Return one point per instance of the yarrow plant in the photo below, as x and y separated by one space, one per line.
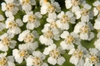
49 33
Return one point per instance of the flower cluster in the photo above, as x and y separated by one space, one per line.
42 33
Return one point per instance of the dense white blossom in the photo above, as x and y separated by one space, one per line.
20 54
69 40
27 4
45 32
6 42
36 59
6 60
84 30
10 8
93 58
54 55
65 19
32 20
78 55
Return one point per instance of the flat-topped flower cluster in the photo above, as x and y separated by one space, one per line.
31 29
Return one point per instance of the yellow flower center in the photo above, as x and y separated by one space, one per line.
84 29
84 12
45 0
37 61
98 7
51 9
75 2
65 19
29 38
54 53
69 39
3 61
94 59
32 18
24 2
10 6
78 54
6 41
49 34
23 53
53 25
12 25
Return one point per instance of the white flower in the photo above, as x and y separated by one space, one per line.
78 55
1 17
27 4
13 26
97 24
6 42
2 25
51 17
84 13
9 7
49 35
6 61
29 39
97 44
36 59
65 19
84 30
32 20
93 58
96 8
47 7
73 4
55 55
69 40
27 36
20 54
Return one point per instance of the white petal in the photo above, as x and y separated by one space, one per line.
2 26
44 9
25 18
75 8
64 34
27 7
44 64
68 4
9 1
30 26
10 58
52 61
51 17
70 14
95 11
1 18
37 23
38 15
11 63
85 18
87 63
78 14
74 60
29 61
84 36
60 60
13 44
3 6
63 45
19 22
71 51
8 14
64 26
